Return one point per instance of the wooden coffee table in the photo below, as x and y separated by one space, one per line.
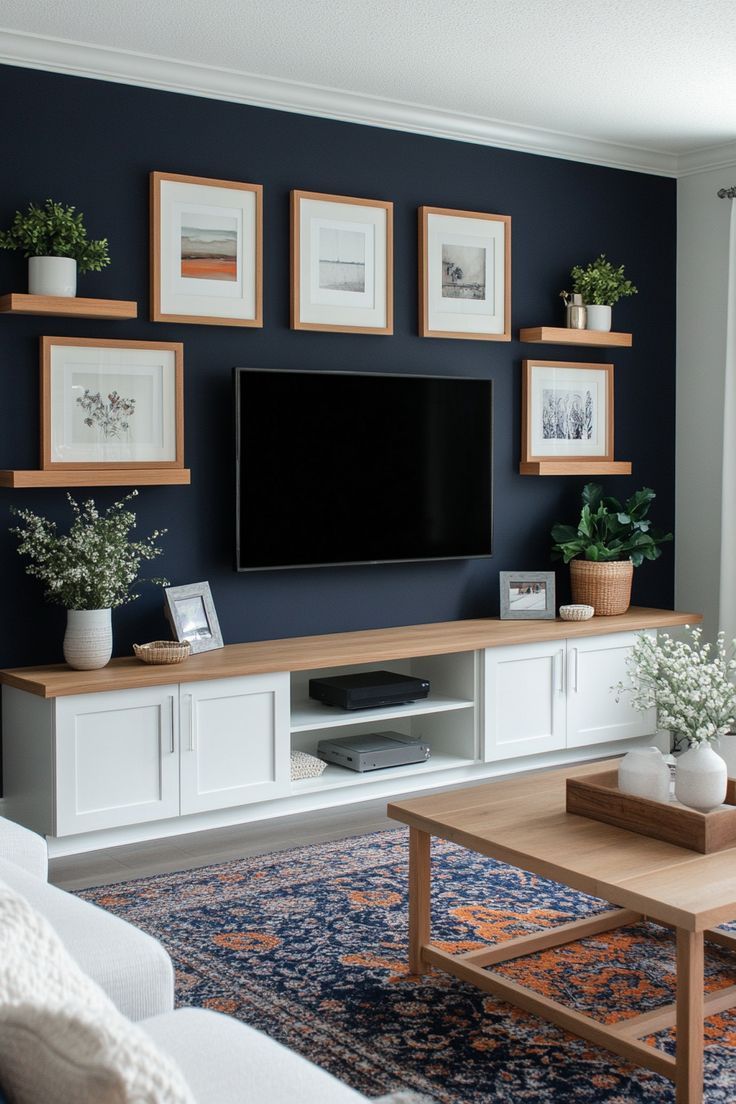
522 821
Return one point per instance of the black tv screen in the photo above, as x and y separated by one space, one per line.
348 468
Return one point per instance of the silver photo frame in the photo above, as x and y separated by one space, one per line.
527 595
191 613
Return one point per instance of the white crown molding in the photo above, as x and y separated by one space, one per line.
707 159
124 67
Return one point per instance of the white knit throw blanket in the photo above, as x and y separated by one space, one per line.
61 1038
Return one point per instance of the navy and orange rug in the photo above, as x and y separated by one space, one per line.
309 945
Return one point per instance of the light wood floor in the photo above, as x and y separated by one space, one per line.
138 860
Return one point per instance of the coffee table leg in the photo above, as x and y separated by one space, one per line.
419 898
689 1077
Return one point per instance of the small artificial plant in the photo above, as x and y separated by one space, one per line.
600 284
609 531
96 563
53 230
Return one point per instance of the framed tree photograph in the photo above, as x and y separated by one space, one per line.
566 411
206 251
527 595
191 613
341 263
111 404
464 274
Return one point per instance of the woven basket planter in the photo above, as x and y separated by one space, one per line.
604 586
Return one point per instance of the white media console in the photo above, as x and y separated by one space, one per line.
133 752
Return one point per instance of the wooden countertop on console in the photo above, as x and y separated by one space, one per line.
332 650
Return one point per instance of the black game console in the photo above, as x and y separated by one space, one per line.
368 689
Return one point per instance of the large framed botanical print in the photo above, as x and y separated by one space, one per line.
566 411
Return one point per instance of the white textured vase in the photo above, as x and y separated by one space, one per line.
88 639
701 778
599 317
52 276
644 773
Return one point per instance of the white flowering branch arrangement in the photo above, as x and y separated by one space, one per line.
690 684
96 563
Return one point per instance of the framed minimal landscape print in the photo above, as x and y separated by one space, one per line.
464 274
111 404
566 411
206 251
341 263
191 613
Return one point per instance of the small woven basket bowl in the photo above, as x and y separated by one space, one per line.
576 613
162 651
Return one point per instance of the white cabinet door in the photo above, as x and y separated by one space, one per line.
594 665
116 758
524 699
234 741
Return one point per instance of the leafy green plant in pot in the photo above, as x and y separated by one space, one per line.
601 286
609 541
55 241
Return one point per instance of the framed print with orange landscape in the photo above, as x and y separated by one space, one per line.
206 251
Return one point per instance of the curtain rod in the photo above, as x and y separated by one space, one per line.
727 193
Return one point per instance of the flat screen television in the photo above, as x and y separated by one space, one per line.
351 468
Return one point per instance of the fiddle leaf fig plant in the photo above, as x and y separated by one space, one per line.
608 530
600 284
53 230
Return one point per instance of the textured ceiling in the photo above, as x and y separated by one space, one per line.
658 74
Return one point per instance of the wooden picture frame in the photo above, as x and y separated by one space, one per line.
191 613
464 274
111 404
527 595
197 277
566 412
341 264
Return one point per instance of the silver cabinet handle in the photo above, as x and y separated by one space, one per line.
559 671
172 740
192 732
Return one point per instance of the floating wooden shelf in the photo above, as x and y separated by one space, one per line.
573 467
563 335
63 306
109 477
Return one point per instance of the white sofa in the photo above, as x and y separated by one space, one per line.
223 1061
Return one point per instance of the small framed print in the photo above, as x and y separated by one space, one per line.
191 614
527 595
341 263
206 251
464 274
111 404
566 411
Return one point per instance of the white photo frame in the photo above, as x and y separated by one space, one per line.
206 251
111 404
191 613
464 274
567 411
341 263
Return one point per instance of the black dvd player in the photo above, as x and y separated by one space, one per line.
368 689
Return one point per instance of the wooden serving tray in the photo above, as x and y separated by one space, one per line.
597 796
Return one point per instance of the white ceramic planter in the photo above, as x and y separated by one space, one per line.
701 778
598 317
52 276
643 772
88 639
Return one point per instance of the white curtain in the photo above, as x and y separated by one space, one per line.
727 610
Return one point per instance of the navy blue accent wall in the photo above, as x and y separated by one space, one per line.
93 144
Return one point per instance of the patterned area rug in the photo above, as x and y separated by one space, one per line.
309 945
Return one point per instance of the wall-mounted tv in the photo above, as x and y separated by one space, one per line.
350 468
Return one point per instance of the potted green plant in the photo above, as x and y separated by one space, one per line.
55 241
89 570
601 285
605 546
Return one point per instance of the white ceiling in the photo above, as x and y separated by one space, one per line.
657 76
